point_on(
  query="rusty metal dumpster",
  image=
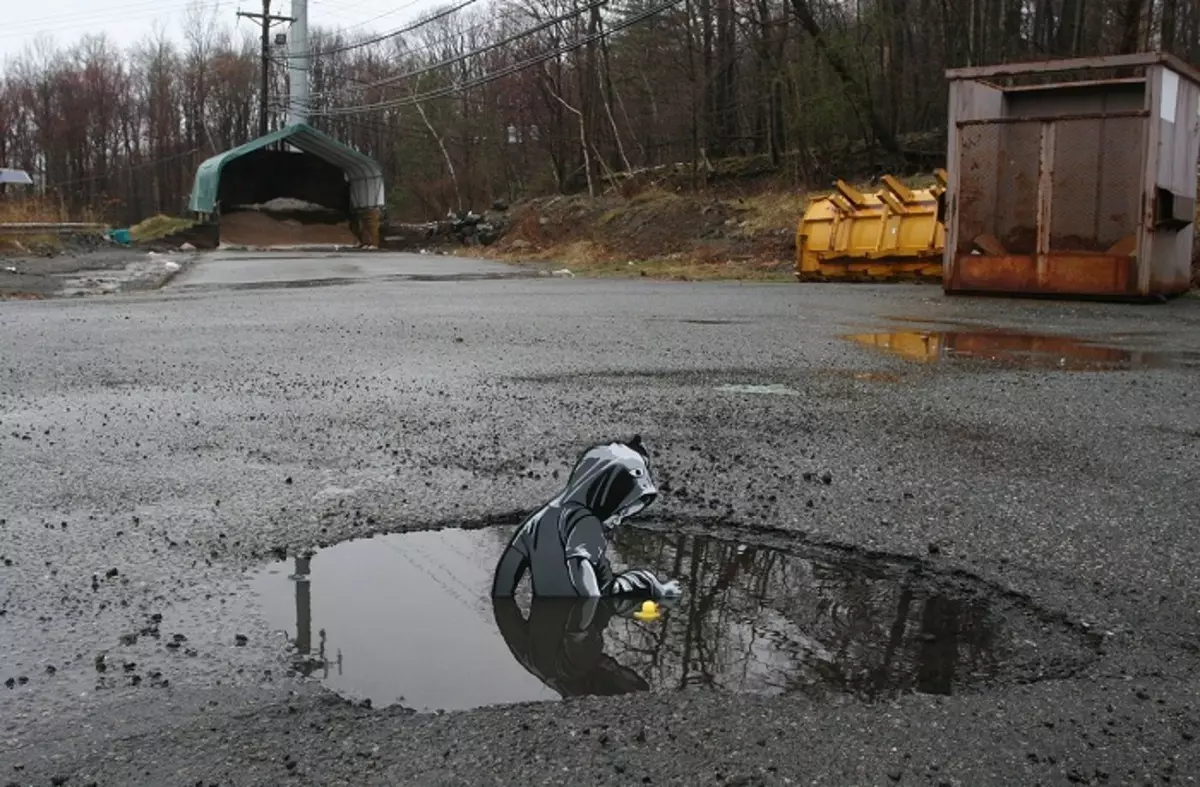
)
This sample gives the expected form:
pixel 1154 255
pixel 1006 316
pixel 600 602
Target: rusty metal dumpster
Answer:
pixel 1084 187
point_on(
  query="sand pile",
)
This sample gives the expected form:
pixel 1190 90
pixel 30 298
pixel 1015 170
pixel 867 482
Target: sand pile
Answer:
pixel 251 228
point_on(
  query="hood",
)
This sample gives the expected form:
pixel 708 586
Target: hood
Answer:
pixel 612 480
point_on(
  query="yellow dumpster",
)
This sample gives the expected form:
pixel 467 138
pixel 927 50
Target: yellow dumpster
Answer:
pixel 894 233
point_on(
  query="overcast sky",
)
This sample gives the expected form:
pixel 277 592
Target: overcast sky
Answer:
pixel 127 21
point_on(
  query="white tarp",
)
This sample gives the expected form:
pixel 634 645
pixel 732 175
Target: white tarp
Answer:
pixel 15 176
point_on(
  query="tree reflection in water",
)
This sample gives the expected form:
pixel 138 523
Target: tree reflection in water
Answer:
pixel 756 619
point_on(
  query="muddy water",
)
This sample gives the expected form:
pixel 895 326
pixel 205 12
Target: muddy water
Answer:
pixel 1022 350
pixel 407 618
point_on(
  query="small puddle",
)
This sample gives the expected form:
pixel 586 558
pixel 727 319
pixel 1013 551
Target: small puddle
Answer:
pixel 407 618
pixel 1025 350
pixel 774 389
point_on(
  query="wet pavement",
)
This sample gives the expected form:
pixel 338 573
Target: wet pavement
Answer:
pixel 270 269
pixel 109 270
pixel 160 452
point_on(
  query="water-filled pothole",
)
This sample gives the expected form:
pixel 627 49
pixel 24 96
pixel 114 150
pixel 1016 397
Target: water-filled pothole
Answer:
pixel 408 618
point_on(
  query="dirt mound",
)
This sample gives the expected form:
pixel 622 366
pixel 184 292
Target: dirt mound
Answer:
pixel 656 225
pixel 252 228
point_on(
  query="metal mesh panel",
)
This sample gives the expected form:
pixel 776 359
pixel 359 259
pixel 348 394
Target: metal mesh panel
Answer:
pixel 1094 181
pixel 1120 200
pixel 1016 214
pixel 1075 183
pixel 980 152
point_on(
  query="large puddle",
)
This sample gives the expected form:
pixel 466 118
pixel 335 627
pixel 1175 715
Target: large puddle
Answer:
pixel 1022 350
pixel 407 618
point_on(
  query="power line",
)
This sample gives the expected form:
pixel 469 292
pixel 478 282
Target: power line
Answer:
pixel 87 19
pixel 486 78
pixel 123 169
pixel 265 74
pixel 377 17
pixel 385 36
pixel 55 20
pixel 489 47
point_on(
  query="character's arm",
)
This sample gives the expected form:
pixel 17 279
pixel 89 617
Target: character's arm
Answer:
pixel 641 582
pixel 583 578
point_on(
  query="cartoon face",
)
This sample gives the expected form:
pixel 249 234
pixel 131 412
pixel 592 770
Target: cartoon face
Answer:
pixel 613 480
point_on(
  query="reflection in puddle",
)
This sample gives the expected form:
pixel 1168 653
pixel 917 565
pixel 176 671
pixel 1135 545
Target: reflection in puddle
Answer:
pixel 408 618
pixel 1019 349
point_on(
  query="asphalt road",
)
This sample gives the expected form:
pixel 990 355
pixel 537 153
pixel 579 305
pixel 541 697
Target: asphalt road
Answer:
pixel 155 447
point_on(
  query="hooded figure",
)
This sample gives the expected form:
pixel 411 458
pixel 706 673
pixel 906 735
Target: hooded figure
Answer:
pixel 563 544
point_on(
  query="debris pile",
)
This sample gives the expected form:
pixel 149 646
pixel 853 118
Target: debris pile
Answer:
pixel 467 228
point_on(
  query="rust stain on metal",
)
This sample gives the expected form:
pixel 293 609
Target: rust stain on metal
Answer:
pixel 1062 273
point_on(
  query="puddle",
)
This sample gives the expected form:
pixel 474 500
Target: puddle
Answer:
pixel 407 618
pixel 1025 350
pixel 870 377
pixel 774 389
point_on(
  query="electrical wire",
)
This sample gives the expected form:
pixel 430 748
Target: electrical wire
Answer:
pixel 122 169
pixel 28 28
pixel 500 74
pixel 481 50
pixel 377 17
pixel 385 36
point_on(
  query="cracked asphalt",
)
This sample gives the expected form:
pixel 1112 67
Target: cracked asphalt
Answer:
pixel 157 447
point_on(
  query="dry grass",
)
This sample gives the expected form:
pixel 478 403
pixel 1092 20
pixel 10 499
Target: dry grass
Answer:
pixel 29 210
pixel 772 210
pixel 37 209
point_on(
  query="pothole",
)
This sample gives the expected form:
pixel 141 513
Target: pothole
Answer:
pixel 1028 350
pixel 408 618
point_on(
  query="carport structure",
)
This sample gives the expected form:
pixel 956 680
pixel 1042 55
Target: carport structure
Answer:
pixel 321 170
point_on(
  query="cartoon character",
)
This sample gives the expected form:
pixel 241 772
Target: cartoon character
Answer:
pixel 563 544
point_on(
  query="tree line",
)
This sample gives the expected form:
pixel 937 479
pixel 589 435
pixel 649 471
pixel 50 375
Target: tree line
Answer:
pixel 513 98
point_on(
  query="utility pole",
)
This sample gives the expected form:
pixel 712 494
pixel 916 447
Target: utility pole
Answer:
pixel 267 19
pixel 298 63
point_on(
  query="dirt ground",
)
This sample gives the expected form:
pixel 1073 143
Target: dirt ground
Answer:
pixel 658 233
pixel 252 228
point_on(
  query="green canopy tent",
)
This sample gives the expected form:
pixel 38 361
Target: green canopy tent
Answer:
pixel 363 174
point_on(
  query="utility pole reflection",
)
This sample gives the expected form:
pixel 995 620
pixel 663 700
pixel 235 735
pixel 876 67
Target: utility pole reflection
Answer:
pixel 306 663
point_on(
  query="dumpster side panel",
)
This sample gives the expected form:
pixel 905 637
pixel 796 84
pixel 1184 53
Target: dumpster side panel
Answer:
pixel 967 101
pixel 1173 153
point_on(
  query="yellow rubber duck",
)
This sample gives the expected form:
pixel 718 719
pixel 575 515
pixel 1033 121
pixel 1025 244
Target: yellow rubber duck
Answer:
pixel 649 611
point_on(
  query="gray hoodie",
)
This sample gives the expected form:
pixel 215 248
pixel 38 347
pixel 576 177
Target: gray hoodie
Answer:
pixel 563 544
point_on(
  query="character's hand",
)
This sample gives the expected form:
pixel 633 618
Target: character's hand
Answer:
pixel 670 589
